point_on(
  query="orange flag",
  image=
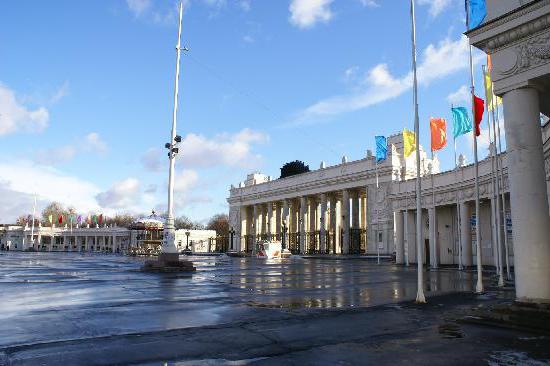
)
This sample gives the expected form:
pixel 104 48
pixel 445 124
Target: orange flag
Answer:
pixel 438 127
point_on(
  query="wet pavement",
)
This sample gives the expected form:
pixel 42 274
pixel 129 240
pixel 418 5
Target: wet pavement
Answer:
pixel 70 303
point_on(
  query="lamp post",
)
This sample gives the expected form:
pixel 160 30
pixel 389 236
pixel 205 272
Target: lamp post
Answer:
pixel 187 233
pixel 232 233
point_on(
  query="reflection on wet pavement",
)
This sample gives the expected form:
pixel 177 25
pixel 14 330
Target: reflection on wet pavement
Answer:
pixel 54 296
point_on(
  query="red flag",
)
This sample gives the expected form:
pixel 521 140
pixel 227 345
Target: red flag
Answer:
pixel 60 219
pixel 100 219
pixel 479 108
pixel 438 127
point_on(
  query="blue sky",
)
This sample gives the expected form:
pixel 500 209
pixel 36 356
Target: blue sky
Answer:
pixel 86 93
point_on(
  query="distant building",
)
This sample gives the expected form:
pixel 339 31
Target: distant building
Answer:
pixel 143 237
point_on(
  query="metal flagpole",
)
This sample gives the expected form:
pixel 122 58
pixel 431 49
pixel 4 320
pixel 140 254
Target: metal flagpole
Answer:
pixel 479 284
pixel 503 198
pixel 496 188
pixel 32 225
pixel 434 228
pixel 460 267
pixel 420 298
pixel 377 216
pixel 169 245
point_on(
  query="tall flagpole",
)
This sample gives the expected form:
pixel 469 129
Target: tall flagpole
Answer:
pixel 420 298
pixel 32 226
pixel 377 216
pixel 503 198
pixel 497 239
pixel 169 245
pixel 458 223
pixel 479 284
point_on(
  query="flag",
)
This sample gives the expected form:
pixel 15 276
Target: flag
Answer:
pixel 381 148
pixel 438 127
pixel 50 218
pixel 492 100
pixel 94 219
pixel 60 219
pixel 461 121
pixel 79 219
pixel 477 11
pixel 479 108
pixel 409 142
pixel 100 220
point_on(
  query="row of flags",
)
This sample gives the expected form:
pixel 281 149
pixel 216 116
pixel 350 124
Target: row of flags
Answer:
pixel 79 219
pixel 462 123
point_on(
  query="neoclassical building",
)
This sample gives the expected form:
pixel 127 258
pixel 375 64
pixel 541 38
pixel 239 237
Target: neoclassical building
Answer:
pixel 340 209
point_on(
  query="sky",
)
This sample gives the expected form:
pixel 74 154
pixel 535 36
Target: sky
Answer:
pixel 86 94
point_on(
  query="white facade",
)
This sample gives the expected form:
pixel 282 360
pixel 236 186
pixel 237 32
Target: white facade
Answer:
pixel 516 33
pixel 106 239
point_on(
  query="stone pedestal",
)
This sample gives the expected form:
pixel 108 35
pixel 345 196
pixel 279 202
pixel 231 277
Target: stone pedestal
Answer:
pixel 168 263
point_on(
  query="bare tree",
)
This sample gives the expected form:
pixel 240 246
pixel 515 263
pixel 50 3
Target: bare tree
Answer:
pixel 220 223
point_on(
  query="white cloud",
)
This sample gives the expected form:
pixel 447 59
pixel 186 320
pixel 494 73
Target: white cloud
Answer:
pixel 248 39
pixel 379 85
pixel 22 179
pixel 138 7
pixel 306 13
pixel 244 5
pixel 60 93
pixel 94 143
pixel 151 159
pixel 460 97
pixel 15 117
pixel 198 151
pixel 121 195
pixel 59 155
pixel 370 3
pixel 436 6
pixel 56 155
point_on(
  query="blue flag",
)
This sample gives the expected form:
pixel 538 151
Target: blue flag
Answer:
pixel 461 121
pixel 477 13
pixel 381 148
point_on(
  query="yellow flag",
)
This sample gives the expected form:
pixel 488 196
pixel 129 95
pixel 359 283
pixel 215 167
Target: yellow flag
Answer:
pixel 409 142
pixel 492 100
pixel 50 219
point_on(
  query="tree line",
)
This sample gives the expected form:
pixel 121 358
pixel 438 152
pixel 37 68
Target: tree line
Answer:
pixel 218 222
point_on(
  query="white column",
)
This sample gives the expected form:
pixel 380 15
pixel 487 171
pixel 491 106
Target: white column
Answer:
pixel 406 237
pixel 528 195
pixel 270 220
pixel 322 229
pixel 255 221
pixel 434 255
pixel 278 222
pixel 398 237
pixel 345 221
pixel 286 221
pixel 355 209
pixel 466 234
pixel 333 226
pixel 238 244
pixel 302 224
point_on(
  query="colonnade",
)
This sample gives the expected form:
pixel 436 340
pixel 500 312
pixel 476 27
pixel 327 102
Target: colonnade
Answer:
pixel 449 234
pixel 325 223
pixel 75 242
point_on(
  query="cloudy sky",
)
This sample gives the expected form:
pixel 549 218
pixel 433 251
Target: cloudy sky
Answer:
pixel 86 93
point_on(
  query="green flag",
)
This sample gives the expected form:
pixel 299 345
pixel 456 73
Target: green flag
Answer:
pixel 461 121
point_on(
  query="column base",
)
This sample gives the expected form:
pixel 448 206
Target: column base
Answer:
pixel 168 263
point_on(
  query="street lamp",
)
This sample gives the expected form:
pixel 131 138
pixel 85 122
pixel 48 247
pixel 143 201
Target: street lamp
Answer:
pixel 187 233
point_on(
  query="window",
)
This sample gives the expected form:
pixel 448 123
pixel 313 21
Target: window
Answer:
pixel 379 236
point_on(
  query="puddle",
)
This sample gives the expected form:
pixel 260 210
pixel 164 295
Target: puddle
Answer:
pixel 513 358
